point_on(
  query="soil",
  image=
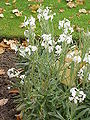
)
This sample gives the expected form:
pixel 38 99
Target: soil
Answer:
pixel 7 61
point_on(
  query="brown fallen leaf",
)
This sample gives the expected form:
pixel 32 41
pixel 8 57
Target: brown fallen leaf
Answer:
pixel 34 7
pixel 2 44
pixel 59 1
pixel 2 72
pixel 80 2
pixel 35 0
pixel 2 50
pixel 3 101
pixel 1 10
pixel 61 10
pixel 71 5
pixel 14 91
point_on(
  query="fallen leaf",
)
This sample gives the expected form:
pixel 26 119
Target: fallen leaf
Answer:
pixel 83 11
pixel 14 91
pixel 2 72
pixel 2 50
pixel 17 12
pixel 80 2
pixel 71 5
pixel 1 15
pixel 7 3
pixel 61 10
pixel 2 44
pixel 22 25
pixel 35 0
pixel 34 7
pixel 59 1
pixel 1 10
pixel 3 101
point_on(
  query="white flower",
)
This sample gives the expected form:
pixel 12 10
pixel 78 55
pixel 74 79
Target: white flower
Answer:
pixel 34 48
pixel 77 59
pixel 87 58
pixel 63 37
pixel 22 76
pixel 45 14
pixel 61 23
pixel 58 49
pixel 13 73
pixel 29 21
pixel 24 51
pixel 77 95
pixel 32 21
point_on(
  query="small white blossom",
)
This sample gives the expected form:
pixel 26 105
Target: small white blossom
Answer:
pixel 45 14
pixel 13 73
pixel 88 76
pixel 77 59
pixel 58 49
pixel 87 58
pixel 29 21
pixel 34 48
pixel 77 95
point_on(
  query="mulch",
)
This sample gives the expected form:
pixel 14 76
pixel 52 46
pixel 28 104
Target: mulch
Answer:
pixel 7 111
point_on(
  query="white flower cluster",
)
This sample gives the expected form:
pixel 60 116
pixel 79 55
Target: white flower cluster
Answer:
pixel 13 73
pixel 87 58
pixel 30 21
pixel 30 24
pixel 50 44
pixel 82 72
pixel 67 31
pixel 77 95
pixel 45 14
pixel 27 51
pixel 47 42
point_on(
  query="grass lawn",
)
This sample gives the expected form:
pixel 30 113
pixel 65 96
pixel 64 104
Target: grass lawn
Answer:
pixel 9 25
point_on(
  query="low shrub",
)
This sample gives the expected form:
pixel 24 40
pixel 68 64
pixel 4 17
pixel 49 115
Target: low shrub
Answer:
pixel 54 75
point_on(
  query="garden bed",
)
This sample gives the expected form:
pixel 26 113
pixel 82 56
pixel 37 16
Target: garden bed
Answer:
pixel 7 111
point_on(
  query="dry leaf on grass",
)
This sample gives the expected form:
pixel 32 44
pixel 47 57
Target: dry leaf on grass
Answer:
pixel 80 2
pixel 2 72
pixel 71 5
pixel 17 12
pixel 61 10
pixel 22 25
pixel 59 1
pixel 3 101
pixel 35 0
pixel 7 3
pixel 82 11
pixel 1 10
pixel 34 7
pixel 2 50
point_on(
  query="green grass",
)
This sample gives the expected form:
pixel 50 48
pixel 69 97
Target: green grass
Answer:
pixel 9 27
